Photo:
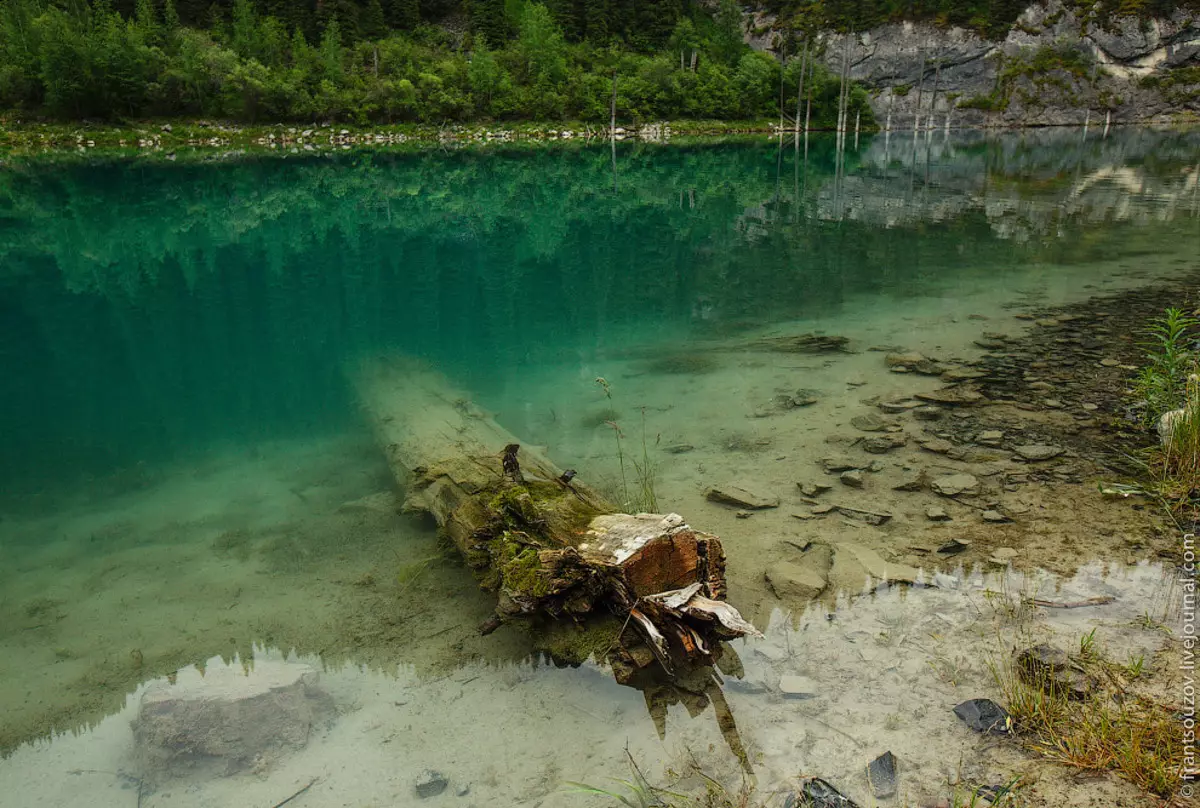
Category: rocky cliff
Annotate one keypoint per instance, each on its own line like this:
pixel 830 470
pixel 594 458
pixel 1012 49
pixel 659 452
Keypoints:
pixel 1056 66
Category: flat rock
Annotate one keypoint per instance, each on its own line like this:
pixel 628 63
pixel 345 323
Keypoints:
pixel 984 715
pixel 952 485
pixel 229 719
pixel 813 489
pixel 1038 451
pixel 817 793
pixel 797 687
pixel 912 481
pixel 994 516
pixel 935 514
pixel 882 774
pixel 872 564
pixel 900 406
pixel 1003 555
pixel 741 495
pixel 937 445
pixel 927 412
pixel 870 422
pixel 798 582
pixel 833 465
pixel 882 444
pixel 852 478
pixel 954 546
pixel 990 437
pixel 860 515
pixel 818 510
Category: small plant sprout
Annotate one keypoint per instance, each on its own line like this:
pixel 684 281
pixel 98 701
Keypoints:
pixel 1136 666
pixel 1087 645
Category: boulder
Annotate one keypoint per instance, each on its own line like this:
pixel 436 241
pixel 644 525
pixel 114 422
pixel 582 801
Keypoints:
pixel 741 495
pixel 228 718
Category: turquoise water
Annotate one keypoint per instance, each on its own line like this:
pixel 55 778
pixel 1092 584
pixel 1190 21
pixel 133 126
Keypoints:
pixel 186 476
pixel 152 309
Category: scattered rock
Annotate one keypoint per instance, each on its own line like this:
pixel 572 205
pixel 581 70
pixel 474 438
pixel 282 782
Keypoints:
pixel 994 516
pixel 1109 362
pixel 870 422
pixel 813 489
pixel 818 510
pixel 739 496
pixel 743 514
pixel 881 772
pixel 852 478
pixel 895 407
pixel 913 361
pixel 430 784
pixel 912 481
pixel 804 580
pixel 935 514
pixel 797 687
pixel 990 437
pixel 833 465
pixel 1038 451
pixel 937 445
pixel 1050 669
pixel 1003 555
pixel 952 485
pixel 1053 403
pixel 954 546
pixel 927 412
pixel 678 448
pixel 882 444
pixel 984 715
pixel 859 515
pixel 953 396
pixel 957 374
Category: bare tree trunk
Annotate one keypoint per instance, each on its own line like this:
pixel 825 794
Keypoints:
pixel 541 539
pixel 937 79
pixel 920 91
pixel 800 92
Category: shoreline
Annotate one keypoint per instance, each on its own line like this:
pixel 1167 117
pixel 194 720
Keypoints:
pixel 169 135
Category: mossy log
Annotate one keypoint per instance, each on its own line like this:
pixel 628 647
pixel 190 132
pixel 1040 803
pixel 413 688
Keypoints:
pixel 544 541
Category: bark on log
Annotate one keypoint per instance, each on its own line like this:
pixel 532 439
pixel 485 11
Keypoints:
pixel 545 542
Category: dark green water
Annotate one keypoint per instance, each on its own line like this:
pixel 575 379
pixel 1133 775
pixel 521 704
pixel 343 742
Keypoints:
pixel 151 309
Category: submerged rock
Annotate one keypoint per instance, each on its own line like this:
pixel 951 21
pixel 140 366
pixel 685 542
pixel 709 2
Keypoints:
pixel 882 774
pixel 795 582
pixel 229 719
pixel 870 422
pixel 738 495
pixel 952 396
pixel 1038 451
pixel 852 478
pixel 430 783
pixel 882 444
pixel 797 687
pixel 984 715
pixel 953 485
pixel 859 515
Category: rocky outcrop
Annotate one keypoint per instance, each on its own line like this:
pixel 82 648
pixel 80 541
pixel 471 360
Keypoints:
pixel 1054 67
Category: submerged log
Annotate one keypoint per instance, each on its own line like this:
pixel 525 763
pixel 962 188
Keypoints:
pixel 547 544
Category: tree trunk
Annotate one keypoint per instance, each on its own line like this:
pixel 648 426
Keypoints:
pixel 547 544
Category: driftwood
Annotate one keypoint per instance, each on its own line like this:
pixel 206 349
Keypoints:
pixel 547 544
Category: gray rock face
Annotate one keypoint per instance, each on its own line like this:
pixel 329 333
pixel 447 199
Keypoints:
pixel 228 720
pixel 900 62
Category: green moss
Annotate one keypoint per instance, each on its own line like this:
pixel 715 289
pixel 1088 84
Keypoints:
pixel 576 643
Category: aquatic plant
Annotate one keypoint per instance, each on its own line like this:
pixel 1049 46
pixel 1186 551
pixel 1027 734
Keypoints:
pixel 644 498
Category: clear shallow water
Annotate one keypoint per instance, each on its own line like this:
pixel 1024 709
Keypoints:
pixel 182 456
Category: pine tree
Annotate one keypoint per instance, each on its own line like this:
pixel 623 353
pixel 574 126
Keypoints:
pixel 372 23
pixel 404 14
